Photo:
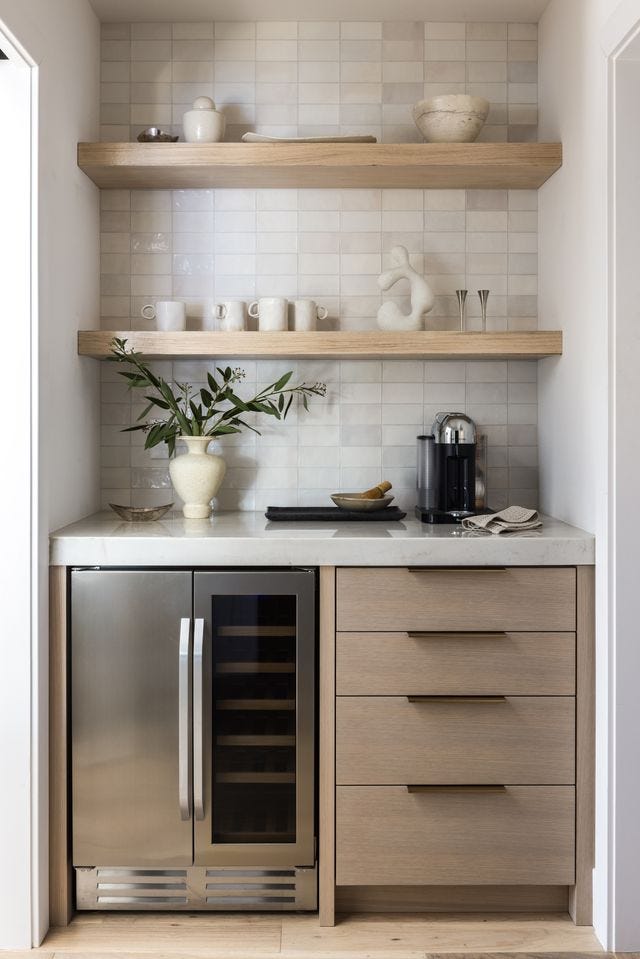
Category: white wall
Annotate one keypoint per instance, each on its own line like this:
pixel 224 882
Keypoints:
pixel 16 242
pixel 573 295
pixel 63 39
pixel 625 525
pixel 573 404
pixel 575 391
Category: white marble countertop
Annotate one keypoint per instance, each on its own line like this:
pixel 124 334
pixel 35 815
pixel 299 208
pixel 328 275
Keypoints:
pixel 248 539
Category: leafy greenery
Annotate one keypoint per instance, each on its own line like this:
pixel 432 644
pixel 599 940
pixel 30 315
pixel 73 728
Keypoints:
pixel 215 411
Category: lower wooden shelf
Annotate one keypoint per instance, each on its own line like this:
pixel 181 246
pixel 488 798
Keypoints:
pixel 368 344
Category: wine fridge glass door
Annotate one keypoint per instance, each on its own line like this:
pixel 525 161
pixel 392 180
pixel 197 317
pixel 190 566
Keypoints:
pixel 254 718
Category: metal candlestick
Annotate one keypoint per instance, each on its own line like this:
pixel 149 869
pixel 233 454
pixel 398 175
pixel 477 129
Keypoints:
pixel 462 298
pixel 484 296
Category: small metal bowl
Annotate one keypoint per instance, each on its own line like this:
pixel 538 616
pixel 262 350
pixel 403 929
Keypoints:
pixel 156 135
pixel 140 514
pixel 359 503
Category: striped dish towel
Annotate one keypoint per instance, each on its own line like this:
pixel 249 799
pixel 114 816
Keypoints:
pixel 513 519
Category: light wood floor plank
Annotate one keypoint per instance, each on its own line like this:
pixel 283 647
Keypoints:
pixel 529 955
pixel 431 955
pixel 171 954
pixel 414 937
pixel 168 935
pixel 214 952
pixel 13 954
pixel 188 936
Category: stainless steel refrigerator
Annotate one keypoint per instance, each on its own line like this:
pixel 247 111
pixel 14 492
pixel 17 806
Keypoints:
pixel 193 739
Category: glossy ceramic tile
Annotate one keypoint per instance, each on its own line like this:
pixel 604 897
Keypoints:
pixel 289 78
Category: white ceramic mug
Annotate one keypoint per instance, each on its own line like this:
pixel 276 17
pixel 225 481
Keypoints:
pixel 170 315
pixel 305 315
pixel 271 312
pixel 232 315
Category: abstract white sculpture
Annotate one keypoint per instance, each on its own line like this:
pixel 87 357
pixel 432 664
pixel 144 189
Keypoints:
pixel 390 317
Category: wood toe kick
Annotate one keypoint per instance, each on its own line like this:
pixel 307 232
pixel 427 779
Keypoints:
pixel 540 900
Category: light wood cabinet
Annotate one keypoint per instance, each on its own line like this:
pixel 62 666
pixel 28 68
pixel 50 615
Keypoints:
pixel 519 739
pixel 462 599
pixel 387 835
pixel 460 664
pixel 463 721
pixel 460 843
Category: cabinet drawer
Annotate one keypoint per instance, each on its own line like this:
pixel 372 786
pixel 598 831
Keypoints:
pixel 511 664
pixel 389 836
pixel 515 598
pixel 388 740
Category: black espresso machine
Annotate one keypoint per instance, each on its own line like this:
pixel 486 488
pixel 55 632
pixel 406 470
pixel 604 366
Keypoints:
pixel 450 480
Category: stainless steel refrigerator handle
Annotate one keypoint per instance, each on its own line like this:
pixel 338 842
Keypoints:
pixel 184 721
pixel 198 719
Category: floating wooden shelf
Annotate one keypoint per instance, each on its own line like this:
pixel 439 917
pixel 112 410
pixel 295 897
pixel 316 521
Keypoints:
pixel 373 344
pixel 165 166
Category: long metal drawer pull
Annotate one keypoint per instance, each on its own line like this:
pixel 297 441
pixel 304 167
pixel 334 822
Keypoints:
pixel 439 634
pixel 489 788
pixel 198 718
pixel 457 699
pixel 184 721
pixel 457 569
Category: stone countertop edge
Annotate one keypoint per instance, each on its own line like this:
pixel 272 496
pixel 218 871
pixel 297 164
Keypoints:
pixel 249 539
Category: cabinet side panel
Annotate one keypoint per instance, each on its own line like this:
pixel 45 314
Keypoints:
pixel 327 790
pixel 581 895
pixel 60 876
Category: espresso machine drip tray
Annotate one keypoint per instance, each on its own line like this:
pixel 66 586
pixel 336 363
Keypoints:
pixel 436 516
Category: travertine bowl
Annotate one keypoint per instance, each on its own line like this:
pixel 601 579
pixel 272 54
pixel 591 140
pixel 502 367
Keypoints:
pixel 140 514
pixel 452 118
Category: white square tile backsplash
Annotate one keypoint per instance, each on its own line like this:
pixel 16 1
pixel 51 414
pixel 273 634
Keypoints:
pixel 290 78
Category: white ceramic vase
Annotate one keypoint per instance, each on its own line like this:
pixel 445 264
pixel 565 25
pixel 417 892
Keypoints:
pixel 197 476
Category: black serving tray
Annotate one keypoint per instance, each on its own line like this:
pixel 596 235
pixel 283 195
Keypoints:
pixel 332 514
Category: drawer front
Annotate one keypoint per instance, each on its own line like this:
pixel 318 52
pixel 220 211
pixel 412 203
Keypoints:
pixel 513 599
pixel 387 740
pixel 511 664
pixel 386 835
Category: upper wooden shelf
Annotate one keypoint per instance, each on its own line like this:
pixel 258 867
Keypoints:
pixel 373 344
pixel 166 166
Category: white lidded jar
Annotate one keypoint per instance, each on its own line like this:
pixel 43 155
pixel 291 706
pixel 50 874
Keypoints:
pixel 203 123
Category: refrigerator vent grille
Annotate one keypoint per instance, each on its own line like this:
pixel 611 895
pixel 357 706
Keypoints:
pixel 167 887
pixel 196 887
pixel 250 887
